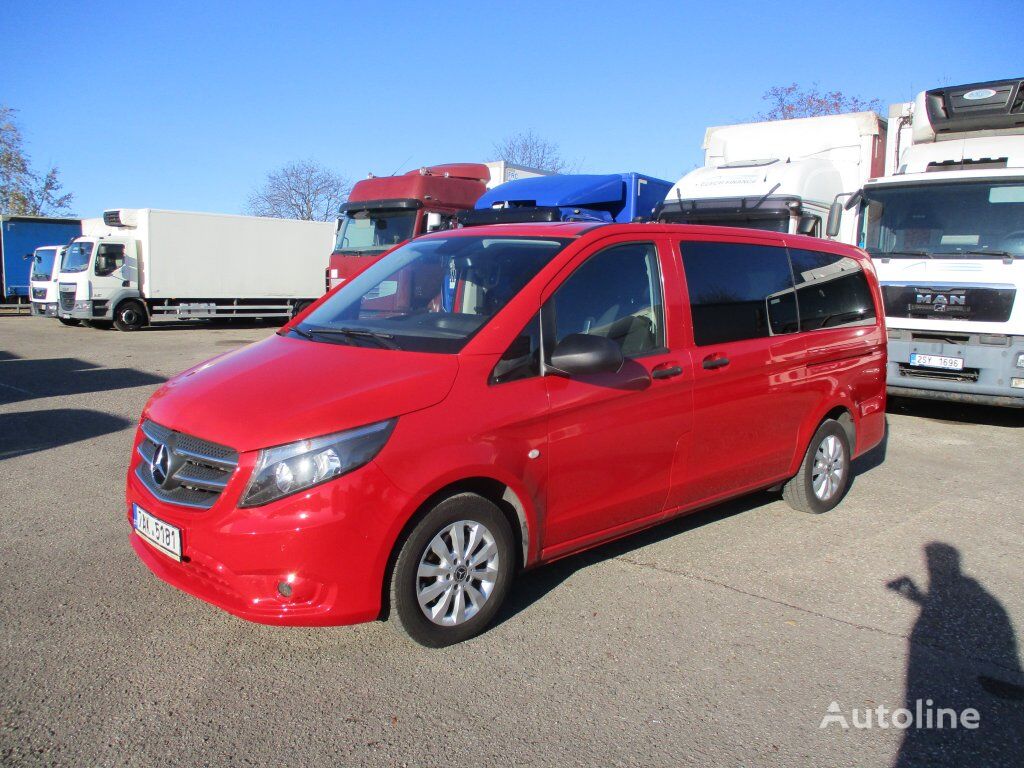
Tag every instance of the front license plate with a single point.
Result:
(938, 361)
(161, 535)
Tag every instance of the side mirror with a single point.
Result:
(579, 354)
(835, 216)
(433, 221)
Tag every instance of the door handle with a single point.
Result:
(666, 371)
(715, 361)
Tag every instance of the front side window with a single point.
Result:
(109, 259)
(522, 359)
(831, 290)
(78, 257)
(738, 291)
(43, 263)
(368, 232)
(617, 294)
(432, 294)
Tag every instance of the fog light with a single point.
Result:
(1017, 383)
(284, 588)
(1020, 360)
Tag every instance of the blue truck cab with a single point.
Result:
(613, 197)
(20, 236)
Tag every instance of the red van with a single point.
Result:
(489, 399)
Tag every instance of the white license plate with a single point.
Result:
(938, 361)
(161, 535)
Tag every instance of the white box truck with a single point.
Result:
(779, 175)
(945, 229)
(137, 266)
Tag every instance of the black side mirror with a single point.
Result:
(579, 354)
(835, 216)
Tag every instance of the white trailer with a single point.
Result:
(945, 229)
(136, 266)
(502, 172)
(779, 175)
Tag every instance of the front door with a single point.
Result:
(612, 436)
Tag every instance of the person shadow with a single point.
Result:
(962, 654)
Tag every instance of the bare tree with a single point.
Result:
(23, 192)
(300, 190)
(529, 149)
(789, 101)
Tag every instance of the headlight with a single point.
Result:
(291, 468)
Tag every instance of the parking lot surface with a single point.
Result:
(720, 639)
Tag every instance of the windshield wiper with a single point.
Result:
(886, 254)
(385, 340)
(988, 252)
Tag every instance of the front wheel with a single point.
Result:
(129, 316)
(824, 473)
(453, 571)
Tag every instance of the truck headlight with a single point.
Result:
(291, 468)
(1020, 360)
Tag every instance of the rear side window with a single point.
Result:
(616, 294)
(832, 291)
(738, 291)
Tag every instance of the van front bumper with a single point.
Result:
(990, 376)
(330, 545)
(86, 310)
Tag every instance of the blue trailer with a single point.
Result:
(619, 197)
(19, 238)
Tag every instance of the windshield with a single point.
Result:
(370, 231)
(42, 265)
(77, 258)
(430, 295)
(946, 219)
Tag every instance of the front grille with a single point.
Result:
(67, 297)
(989, 304)
(911, 372)
(39, 293)
(198, 470)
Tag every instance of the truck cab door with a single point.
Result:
(109, 268)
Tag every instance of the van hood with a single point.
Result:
(285, 389)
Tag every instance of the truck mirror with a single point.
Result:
(835, 216)
(433, 221)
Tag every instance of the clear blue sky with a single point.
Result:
(187, 105)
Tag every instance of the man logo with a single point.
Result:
(939, 301)
(160, 466)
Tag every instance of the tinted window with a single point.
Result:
(738, 291)
(522, 359)
(616, 294)
(832, 290)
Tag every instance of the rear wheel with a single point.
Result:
(824, 473)
(300, 307)
(453, 571)
(68, 321)
(129, 316)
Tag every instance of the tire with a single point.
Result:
(483, 529)
(830, 447)
(68, 321)
(301, 307)
(129, 316)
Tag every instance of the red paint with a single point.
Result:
(616, 453)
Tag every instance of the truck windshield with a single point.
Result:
(430, 295)
(78, 257)
(944, 219)
(373, 231)
(42, 265)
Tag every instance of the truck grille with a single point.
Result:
(194, 472)
(988, 304)
(67, 296)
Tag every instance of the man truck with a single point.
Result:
(20, 236)
(945, 229)
(385, 211)
(779, 175)
(139, 266)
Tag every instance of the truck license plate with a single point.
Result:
(163, 536)
(937, 361)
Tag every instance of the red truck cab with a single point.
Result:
(383, 212)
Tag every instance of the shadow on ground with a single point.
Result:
(32, 431)
(22, 380)
(957, 413)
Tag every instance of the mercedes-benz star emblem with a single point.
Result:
(160, 466)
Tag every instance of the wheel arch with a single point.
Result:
(842, 411)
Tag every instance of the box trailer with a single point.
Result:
(20, 236)
(136, 266)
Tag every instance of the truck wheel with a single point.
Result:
(453, 571)
(300, 307)
(824, 473)
(129, 316)
(68, 321)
